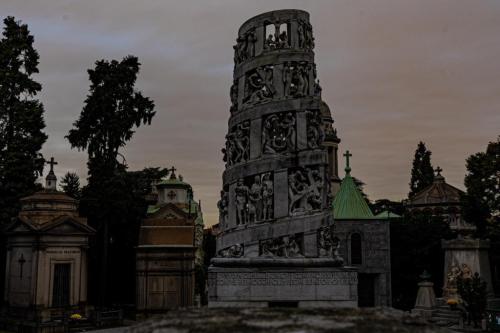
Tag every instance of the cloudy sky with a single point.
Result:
(393, 72)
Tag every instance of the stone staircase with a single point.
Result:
(445, 317)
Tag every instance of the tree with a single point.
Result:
(21, 118)
(473, 291)
(422, 173)
(482, 181)
(415, 247)
(71, 185)
(112, 110)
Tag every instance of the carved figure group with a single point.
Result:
(305, 35)
(259, 87)
(285, 246)
(279, 133)
(305, 188)
(296, 79)
(237, 144)
(315, 133)
(254, 203)
(245, 47)
(278, 40)
(234, 251)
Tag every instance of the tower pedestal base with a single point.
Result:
(303, 282)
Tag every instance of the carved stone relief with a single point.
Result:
(259, 87)
(305, 188)
(278, 40)
(245, 47)
(315, 134)
(223, 204)
(233, 94)
(279, 133)
(305, 35)
(286, 247)
(254, 199)
(296, 79)
(237, 148)
(234, 251)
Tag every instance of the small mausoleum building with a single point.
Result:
(364, 242)
(440, 199)
(46, 264)
(170, 245)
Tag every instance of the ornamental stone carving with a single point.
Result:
(284, 247)
(237, 144)
(254, 197)
(279, 133)
(259, 87)
(233, 251)
(245, 47)
(305, 188)
(223, 204)
(296, 79)
(315, 133)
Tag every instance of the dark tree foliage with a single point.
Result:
(422, 173)
(381, 205)
(415, 247)
(482, 181)
(473, 292)
(111, 201)
(70, 184)
(21, 118)
(361, 187)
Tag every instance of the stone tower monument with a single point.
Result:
(276, 245)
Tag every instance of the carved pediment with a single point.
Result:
(169, 212)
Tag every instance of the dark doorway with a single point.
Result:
(366, 290)
(60, 288)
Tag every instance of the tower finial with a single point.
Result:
(347, 155)
(438, 171)
(51, 179)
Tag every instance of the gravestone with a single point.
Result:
(276, 245)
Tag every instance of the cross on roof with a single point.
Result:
(172, 172)
(51, 163)
(438, 171)
(347, 155)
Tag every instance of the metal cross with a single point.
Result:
(172, 172)
(438, 171)
(51, 163)
(21, 262)
(347, 154)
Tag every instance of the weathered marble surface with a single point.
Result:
(280, 320)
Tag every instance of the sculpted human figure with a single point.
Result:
(233, 93)
(283, 40)
(255, 200)
(287, 79)
(222, 204)
(269, 43)
(305, 77)
(251, 39)
(299, 78)
(288, 125)
(267, 196)
(300, 33)
(241, 193)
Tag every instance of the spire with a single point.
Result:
(347, 155)
(349, 203)
(51, 179)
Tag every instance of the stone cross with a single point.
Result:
(347, 155)
(21, 262)
(51, 163)
(438, 171)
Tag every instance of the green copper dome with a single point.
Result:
(349, 203)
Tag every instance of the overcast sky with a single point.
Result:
(393, 72)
